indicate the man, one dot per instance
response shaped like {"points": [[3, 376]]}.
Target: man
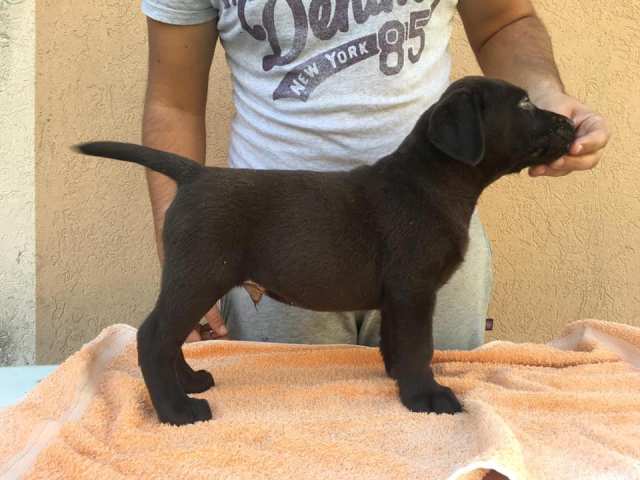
{"points": [[328, 85]]}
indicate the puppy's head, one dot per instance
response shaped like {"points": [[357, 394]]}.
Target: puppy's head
{"points": [[493, 126]]}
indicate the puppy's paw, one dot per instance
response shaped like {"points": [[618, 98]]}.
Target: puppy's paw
{"points": [[190, 411], [201, 412], [439, 399], [197, 382]]}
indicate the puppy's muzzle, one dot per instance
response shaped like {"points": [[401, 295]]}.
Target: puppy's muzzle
{"points": [[565, 130], [557, 142]]}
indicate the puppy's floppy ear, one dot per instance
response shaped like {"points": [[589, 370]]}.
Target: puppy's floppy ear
{"points": [[456, 127]]}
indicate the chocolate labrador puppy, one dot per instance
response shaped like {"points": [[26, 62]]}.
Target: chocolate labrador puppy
{"points": [[385, 236]]}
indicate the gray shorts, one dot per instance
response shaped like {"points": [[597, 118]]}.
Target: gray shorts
{"points": [[459, 318]]}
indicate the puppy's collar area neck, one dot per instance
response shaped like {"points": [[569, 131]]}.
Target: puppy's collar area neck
{"points": [[424, 164]]}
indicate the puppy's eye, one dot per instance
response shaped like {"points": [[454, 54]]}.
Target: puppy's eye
{"points": [[525, 104]]}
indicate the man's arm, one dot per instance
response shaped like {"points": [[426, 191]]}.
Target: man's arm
{"points": [[511, 43], [174, 111]]}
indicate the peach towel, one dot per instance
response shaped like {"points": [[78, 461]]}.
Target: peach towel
{"points": [[566, 410]]}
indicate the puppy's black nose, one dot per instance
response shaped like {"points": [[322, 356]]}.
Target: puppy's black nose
{"points": [[564, 127], [566, 130]]}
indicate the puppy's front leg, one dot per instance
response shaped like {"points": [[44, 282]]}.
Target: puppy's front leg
{"points": [[410, 315]]}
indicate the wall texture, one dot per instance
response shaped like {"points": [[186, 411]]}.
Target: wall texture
{"points": [[569, 248], [17, 186], [564, 248], [97, 263]]}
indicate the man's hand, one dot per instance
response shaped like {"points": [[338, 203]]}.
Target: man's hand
{"points": [[511, 43], [592, 135], [216, 323]]}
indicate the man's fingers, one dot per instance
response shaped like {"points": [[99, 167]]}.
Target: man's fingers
{"points": [[592, 134], [537, 171], [590, 143], [216, 327], [571, 163], [216, 322], [546, 171], [550, 172], [558, 173], [194, 336]]}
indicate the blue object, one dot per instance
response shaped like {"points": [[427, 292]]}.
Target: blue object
{"points": [[16, 382]]}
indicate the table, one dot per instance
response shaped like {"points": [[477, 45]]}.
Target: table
{"points": [[16, 382]]}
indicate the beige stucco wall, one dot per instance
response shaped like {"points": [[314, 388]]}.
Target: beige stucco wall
{"points": [[569, 248], [564, 248], [17, 182]]}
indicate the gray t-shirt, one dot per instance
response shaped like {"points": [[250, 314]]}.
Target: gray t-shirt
{"points": [[324, 84]]}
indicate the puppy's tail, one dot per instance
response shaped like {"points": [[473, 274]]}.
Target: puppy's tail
{"points": [[181, 169]]}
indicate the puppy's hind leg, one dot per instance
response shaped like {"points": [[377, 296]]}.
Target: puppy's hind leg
{"points": [[387, 343], [190, 287], [412, 317]]}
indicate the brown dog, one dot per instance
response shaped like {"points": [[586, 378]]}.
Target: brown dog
{"points": [[385, 236]]}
